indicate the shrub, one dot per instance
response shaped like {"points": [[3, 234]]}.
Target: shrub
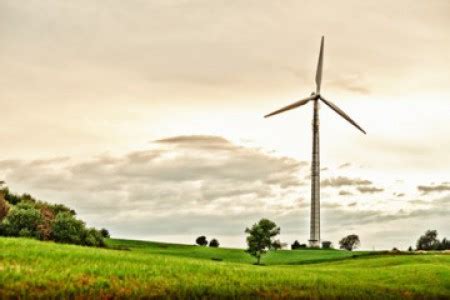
{"points": [[105, 233], [22, 220], [4, 206], [327, 245], [93, 237], [201, 241], [67, 229], [214, 243], [295, 245]]}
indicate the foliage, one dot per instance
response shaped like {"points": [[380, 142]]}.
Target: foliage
{"points": [[327, 245], [429, 241], [105, 233], [26, 216], [22, 220], [296, 245], [201, 241], [4, 206], [214, 243], [260, 237], [349, 242]]}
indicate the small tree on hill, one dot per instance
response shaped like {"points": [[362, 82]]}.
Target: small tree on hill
{"points": [[428, 241], [260, 237], [105, 233], [349, 242], [295, 245], [214, 243], [201, 241]]}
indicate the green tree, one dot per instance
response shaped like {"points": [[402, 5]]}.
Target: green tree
{"points": [[428, 241], [22, 220], [105, 233], [201, 241], [349, 242], [67, 229], [214, 243], [260, 238]]}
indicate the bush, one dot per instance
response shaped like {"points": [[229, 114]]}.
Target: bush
{"points": [[105, 233], [296, 245], [22, 220], [201, 241], [93, 237], [214, 243], [67, 229], [4, 206], [327, 245]]}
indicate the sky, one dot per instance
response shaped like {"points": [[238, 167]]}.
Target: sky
{"points": [[146, 117]]}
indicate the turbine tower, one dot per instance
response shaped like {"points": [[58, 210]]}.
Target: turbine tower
{"points": [[314, 240]]}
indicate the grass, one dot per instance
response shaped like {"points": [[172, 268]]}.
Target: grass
{"points": [[31, 268]]}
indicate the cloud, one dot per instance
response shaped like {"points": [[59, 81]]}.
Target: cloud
{"points": [[344, 181], [399, 194], [369, 189], [181, 173], [345, 165], [345, 193], [426, 189]]}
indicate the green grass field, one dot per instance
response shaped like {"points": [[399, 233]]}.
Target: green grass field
{"points": [[30, 268]]}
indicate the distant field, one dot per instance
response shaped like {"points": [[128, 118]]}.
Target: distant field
{"points": [[32, 268]]}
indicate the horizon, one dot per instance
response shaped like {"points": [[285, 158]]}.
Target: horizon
{"points": [[147, 118]]}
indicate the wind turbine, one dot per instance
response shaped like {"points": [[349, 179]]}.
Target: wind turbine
{"points": [[314, 240]]}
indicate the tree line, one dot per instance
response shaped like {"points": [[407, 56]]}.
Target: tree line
{"points": [[25, 216], [261, 238]]}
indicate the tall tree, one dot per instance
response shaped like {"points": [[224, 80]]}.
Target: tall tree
{"points": [[428, 241], [260, 238]]}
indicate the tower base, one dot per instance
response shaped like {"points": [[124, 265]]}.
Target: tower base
{"points": [[314, 243]]}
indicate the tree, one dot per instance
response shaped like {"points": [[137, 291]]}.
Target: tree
{"points": [[428, 241], [4, 206], [201, 241], [410, 249], [67, 229], [349, 242], [22, 220], [260, 237], [295, 245], [327, 245], [444, 245], [105, 233], [214, 243]]}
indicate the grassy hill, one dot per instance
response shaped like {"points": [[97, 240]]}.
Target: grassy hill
{"points": [[32, 268]]}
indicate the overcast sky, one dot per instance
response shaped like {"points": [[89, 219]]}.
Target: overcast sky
{"points": [[146, 116]]}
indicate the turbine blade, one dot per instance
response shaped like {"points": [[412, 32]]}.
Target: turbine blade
{"points": [[319, 67], [341, 113], [292, 106]]}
